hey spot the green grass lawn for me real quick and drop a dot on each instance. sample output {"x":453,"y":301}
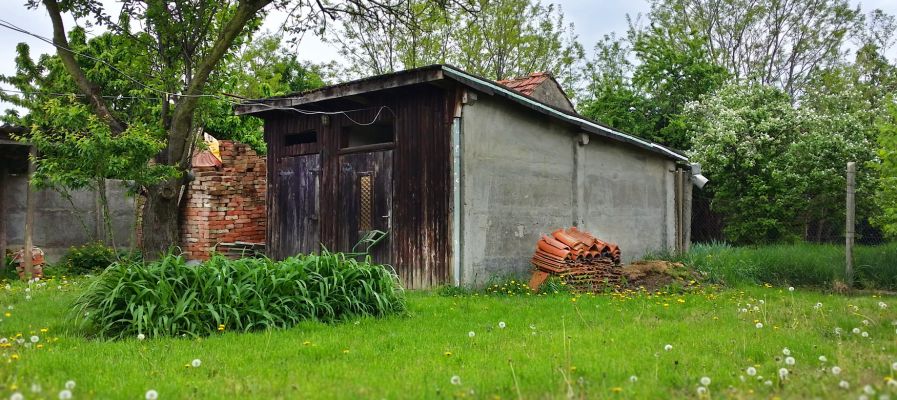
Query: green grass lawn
{"x":604,"y":346}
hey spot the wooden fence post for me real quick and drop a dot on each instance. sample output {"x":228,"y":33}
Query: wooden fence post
{"x":850,"y":226}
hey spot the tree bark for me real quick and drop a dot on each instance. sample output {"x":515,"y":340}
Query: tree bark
{"x":161,"y":217}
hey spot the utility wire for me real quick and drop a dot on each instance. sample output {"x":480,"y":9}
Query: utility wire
{"x":6,"y":24}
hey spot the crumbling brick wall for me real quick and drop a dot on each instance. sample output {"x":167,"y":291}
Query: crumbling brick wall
{"x":225,"y":204}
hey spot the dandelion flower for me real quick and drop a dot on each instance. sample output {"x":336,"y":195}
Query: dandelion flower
{"x":702,"y":391}
{"x":196,"y":363}
{"x":789,"y":361}
{"x":762,"y":302}
{"x":882,"y":305}
{"x":16,"y":396}
{"x":633,"y":379}
{"x":868,"y":389}
{"x":838,"y":331}
{"x":768,"y":383}
{"x":501,"y":324}
{"x":836,"y":370}
{"x":151,"y":395}
{"x":865,"y":334}
{"x":35,"y":388}
{"x":141,"y":336}
{"x":818,"y":306}
{"x":751,"y":371}
{"x":28,"y":297}
{"x":823,"y":359}
{"x":866,"y":322}
{"x":790,"y":288}
{"x":759,"y":325}
{"x":668,"y":347}
{"x":856,"y":331}
{"x":65,"y":394}
{"x":786,"y":351}
{"x":783,"y":373}
{"x":456,"y":380}
{"x":35,"y":339}
{"x":70,"y":385}
{"x":844,"y":385}
{"x":471,"y":334}
{"x":705,"y":381}
{"x":447,"y":354}
{"x":894,"y":366}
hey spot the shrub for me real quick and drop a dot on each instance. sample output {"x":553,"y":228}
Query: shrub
{"x":88,"y":258}
{"x":170,"y":298}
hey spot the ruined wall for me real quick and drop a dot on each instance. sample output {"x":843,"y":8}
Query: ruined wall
{"x":225,"y":204}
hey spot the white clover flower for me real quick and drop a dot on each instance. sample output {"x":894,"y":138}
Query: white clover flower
{"x":786,"y":351}
{"x":35,"y":339}
{"x":836,"y":370}
{"x":702,"y":391}
{"x":783,"y":373}
{"x":790,"y":288}
{"x":865,"y":334}
{"x":196,"y":363}
{"x":65,"y":394}
{"x":633,"y":379}
{"x":751,"y":371}
{"x":501,"y":324}
{"x":151,"y":395}
{"x":856,"y":331}
{"x":844,"y":385}
{"x":141,"y":336}
{"x":759,"y":325}
{"x":868,"y":389}
{"x":823,"y":359}
{"x":668,"y":347}
{"x":705,"y":381}
{"x":456,"y":380}
{"x":789,"y":360}
{"x":16,"y":396}
{"x":70,"y":385}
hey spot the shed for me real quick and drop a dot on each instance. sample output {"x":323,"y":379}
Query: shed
{"x":463,"y":172}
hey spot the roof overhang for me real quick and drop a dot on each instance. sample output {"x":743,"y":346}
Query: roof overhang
{"x":439,"y":72}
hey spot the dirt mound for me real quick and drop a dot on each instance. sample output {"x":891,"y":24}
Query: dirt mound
{"x":656,"y":274}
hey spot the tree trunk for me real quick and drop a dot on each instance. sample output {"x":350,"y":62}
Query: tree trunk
{"x":161,"y":214}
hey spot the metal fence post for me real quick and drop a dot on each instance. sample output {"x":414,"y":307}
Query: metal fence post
{"x":850,"y":226}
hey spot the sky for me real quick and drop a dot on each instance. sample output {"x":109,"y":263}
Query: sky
{"x":592,"y":20}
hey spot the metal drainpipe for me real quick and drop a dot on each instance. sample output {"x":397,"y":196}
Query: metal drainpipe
{"x":456,"y":198}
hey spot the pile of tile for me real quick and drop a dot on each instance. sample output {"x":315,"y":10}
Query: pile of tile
{"x":583,"y":261}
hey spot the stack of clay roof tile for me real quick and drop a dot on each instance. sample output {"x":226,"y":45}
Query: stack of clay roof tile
{"x":579,"y":258}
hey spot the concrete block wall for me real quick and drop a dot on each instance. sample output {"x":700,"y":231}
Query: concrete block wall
{"x":58,"y":226}
{"x":225,"y":204}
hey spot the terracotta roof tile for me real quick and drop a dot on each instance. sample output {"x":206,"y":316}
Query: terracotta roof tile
{"x":526,"y":84}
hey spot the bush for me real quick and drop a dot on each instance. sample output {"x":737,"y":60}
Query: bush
{"x":88,"y":258}
{"x":170,"y":298}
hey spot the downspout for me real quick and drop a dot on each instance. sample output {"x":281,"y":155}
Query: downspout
{"x":456,"y":199}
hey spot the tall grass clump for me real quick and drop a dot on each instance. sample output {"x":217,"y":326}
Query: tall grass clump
{"x":801,"y":264}
{"x":170,"y":298}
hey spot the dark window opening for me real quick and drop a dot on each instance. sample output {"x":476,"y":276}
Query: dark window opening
{"x":300,"y":138}
{"x":366,"y":135}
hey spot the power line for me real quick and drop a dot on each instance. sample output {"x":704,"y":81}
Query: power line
{"x":76,"y":95}
{"x":6,"y":24}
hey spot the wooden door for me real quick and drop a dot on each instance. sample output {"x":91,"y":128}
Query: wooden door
{"x":365,"y":200}
{"x":296,"y":202}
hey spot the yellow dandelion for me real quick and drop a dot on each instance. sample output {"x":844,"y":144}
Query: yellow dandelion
{"x":447,"y":354}
{"x":616,"y":389}
{"x":306,"y":343}
{"x":345,"y":351}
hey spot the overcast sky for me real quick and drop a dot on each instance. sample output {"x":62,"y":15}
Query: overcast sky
{"x":592,"y":19}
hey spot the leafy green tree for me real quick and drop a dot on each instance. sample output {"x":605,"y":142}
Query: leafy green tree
{"x":886,"y":193}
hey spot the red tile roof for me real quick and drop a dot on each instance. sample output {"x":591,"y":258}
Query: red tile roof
{"x":526,"y":84}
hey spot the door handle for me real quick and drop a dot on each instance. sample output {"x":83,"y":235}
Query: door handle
{"x":388,"y":217}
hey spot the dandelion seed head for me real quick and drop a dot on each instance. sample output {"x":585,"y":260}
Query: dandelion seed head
{"x":151,"y":395}
{"x":141,"y":336}
{"x":790,"y":361}
{"x":882,"y":305}
{"x":786,"y":351}
{"x":823,"y":359}
{"x":783,"y":373}
{"x":501,"y":324}
{"x":751,"y":371}
{"x":818,"y":306}
{"x":633,"y":379}
{"x":668,"y":347}
{"x":705,"y":381}
{"x":65,"y":394}
{"x":856,"y":331}
{"x":196,"y":363}
{"x":836,"y":370}
{"x":70,"y":385}
{"x":16,"y":396}
{"x":866,"y":322}
{"x":865,"y":334}
{"x":790,"y":288}
{"x":35,"y":339}
{"x":894,"y":366}
{"x":471,"y":334}
{"x":768,"y":383}
{"x":844,"y":385}
{"x":868,"y":389}
{"x":702,"y":390}
{"x":456,"y":380}
{"x":759,"y":325}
